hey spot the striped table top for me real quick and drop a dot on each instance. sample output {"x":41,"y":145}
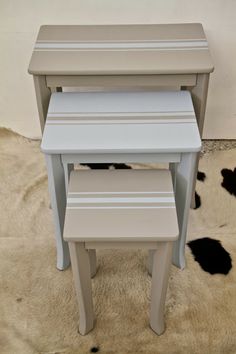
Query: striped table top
{"x":121,"y":205}
{"x":121,"y":49}
{"x":121,"y":122}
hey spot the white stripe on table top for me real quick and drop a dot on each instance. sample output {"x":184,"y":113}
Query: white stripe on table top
{"x":120,"y":200}
{"x":120,"y":115}
{"x":74,"y":194}
{"x":124,"y":50}
{"x":172,"y":206}
{"x":122,"y":45}
{"x":113,"y":122}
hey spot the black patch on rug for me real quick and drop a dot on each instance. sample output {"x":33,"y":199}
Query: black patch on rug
{"x":121,"y":166}
{"x":106,"y":166}
{"x":94,"y":350}
{"x":201,"y":176}
{"x":97,"y":166}
{"x":211,"y":256}
{"x":229,"y":180}
{"x":197,"y":201}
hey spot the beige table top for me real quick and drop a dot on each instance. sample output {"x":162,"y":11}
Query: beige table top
{"x":121,"y":206}
{"x":121,"y":50}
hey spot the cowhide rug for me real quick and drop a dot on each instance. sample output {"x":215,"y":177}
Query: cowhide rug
{"x":38,"y":309}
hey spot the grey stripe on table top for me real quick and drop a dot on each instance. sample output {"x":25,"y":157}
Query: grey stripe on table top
{"x":122,"y":45}
{"x":120,"y":118}
{"x":134,"y":194}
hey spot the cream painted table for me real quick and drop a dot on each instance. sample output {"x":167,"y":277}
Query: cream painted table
{"x":121,"y":57}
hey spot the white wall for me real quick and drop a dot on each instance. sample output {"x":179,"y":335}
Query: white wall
{"x":20,"y":21}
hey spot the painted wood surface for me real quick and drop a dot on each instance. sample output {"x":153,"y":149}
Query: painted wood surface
{"x":130,"y":122}
{"x":121,"y":49}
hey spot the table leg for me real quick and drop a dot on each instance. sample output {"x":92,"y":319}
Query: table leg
{"x":68,"y":168}
{"x":81,"y":274}
{"x":43,"y":94}
{"x":183,"y":184}
{"x":150,"y":261}
{"x":199,"y":97}
{"x":93,"y":262}
{"x":160,"y":276}
{"x":56,"y":186}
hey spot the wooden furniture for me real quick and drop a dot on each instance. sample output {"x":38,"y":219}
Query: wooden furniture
{"x":124,"y":127}
{"x":120,"y":209}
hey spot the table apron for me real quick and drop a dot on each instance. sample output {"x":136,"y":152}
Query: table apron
{"x":123,"y":158}
{"x":118,"y":81}
{"x":149,"y":245}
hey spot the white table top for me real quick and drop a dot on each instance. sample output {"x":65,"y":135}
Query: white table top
{"x":121,"y":122}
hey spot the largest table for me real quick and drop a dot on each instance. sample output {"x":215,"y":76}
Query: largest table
{"x":122,"y":57}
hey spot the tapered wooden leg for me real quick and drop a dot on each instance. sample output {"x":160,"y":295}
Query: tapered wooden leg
{"x":183,"y":184}
{"x":57,"y":192}
{"x":160,"y":275}
{"x":173,"y":170}
{"x":199,"y":97}
{"x":43,"y":94}
{"x":93,"y":262}
{"x":150,"y":261}
{"x":81,"y":273}
{"x":193,"y":201}
{"x":68,"y":167}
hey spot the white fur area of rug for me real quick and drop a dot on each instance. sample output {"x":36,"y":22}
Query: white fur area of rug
{"x":38,"y":308}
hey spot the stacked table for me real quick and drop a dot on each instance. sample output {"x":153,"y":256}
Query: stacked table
{"x":120,"y":57}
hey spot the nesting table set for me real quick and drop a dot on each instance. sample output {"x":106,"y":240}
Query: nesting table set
{"x":142,"y":98}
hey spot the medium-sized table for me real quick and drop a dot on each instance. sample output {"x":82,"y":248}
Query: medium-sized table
{"x":130,"y":127}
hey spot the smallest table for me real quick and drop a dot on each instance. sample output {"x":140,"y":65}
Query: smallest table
{"x":121,"y":209}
